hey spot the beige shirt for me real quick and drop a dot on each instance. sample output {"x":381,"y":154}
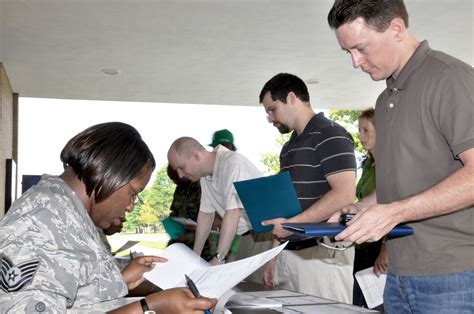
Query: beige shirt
{"x":218,"y":191}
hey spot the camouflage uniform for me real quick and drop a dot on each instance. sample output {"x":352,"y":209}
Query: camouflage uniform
{"x":52,"y":257}
{"x":186,"y":201}
{"x":103,"y":238}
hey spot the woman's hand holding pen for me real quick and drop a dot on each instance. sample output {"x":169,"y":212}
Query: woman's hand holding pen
{"x":133,"y":273}
{"x":179,"y":300}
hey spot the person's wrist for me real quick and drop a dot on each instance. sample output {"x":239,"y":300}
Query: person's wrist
{"x":358,"y":206}
{"x":144,"y":305}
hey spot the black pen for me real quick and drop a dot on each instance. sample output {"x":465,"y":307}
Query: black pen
{"x":194,"y":290}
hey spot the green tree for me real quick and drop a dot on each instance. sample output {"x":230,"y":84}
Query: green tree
{"x":348,"y":119}
{"x":160,"y":195}
{"x":156,"y":203}
{"x":148,"y":216}
{"x":272,"y":160}
{"x":132,"y":224}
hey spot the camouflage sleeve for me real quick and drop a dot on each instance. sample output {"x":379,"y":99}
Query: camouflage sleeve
{"x":32,"y":301}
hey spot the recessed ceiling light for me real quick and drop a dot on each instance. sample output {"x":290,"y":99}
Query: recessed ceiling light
{"x":110,"y":71}
{"x":312,"y":81}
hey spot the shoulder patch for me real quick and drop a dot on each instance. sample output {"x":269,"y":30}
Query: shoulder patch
{"x":15,"y":277}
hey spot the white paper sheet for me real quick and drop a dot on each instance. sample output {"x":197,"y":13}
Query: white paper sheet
{"x":211,"y":281}
{"x":372,"y":286}
{"x":181,"y":260}
{"x":242,"y":301}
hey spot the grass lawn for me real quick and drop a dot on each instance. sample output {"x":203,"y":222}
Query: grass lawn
{"x":150,"y":240}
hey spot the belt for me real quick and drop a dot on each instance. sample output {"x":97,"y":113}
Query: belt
{"x":300,"y":245}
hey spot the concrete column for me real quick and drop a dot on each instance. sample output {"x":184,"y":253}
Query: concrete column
{"x":7,"y":118}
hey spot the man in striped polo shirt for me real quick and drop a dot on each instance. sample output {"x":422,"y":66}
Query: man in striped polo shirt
{"x":320,"y":159}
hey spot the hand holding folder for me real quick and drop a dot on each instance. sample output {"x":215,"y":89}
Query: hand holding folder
{"x":326,"y":229}
{"x":268,"y":198}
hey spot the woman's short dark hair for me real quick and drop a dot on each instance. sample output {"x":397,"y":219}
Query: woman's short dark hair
{"x":376,"y":13}
{"x":281,"y":84}
{"x":107,"y":156}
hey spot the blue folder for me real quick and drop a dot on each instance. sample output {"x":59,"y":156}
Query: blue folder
{"x":326,"y":229}
{"x":267,"y":198}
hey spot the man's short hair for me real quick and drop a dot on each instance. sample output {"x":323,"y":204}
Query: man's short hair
{"x":107,"y":156}
{"x":185,"y":145}
{"x":281,"y":84}
{"x":376,"y":13}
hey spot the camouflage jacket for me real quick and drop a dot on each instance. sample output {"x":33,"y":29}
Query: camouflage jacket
{"x":186,"y":200}
{"x":52,"y":257}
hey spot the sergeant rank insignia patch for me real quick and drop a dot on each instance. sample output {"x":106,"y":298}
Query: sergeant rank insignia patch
{"x":14,"y":277}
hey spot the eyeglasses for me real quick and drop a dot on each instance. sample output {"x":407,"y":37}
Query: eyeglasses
{"x":271,"y":110}
{"x":136,"y":199}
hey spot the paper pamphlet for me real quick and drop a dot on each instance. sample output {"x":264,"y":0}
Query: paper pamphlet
{"x":211,"y":281}
{"x":372,"y":286}
{"x":239,"y":300}
{"x":242,"y":300}
{"x":267,"y":198}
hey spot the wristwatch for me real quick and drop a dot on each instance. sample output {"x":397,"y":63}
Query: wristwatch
{"x":220,"y":256}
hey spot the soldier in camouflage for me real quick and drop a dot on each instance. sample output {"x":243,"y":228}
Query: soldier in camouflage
{"x":52,"y":257}
{"x":185,"y":204}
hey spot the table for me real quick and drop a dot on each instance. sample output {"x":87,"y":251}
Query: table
{"x":294,"y":302}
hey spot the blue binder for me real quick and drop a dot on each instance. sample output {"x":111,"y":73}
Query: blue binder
{"x":267,"y":198}
{"x":325,"y":229}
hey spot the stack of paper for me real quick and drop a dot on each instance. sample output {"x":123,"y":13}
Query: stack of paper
{"x":211,"y":281}
{"x":244,"y":300}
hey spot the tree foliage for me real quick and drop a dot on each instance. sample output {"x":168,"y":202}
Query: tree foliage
{"x":160,"y":195}
{"x":272,"y":160}
{"x":349,"y":120}
{"x":156,"y":204}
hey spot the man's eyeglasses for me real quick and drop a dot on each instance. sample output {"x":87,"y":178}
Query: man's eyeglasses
{"x":271,"y":110}
{"x":136,"y":199}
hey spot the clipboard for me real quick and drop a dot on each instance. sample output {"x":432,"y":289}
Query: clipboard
{"x":267,"y":198}
{"x":326,"y":229}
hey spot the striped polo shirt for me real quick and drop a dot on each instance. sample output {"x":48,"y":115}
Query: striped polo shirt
{"x":324,"y":148}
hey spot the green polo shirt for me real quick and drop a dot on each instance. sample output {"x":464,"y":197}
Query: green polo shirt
{"x":366,"y":183}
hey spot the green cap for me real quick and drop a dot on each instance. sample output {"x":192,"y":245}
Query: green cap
{"x":222,"y":137}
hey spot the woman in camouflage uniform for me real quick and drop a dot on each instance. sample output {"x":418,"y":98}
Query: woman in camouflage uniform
{"x":52,"y":257}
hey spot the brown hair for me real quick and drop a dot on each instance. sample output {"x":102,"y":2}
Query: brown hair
{"x":369,"y":114}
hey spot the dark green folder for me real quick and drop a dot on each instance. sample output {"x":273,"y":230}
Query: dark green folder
{"x":267,"y":198}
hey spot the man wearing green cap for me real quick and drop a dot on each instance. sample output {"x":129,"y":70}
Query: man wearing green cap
{"x":225,"y":138}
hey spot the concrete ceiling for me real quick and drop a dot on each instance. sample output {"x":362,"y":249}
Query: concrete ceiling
{"x":199,"y":51}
